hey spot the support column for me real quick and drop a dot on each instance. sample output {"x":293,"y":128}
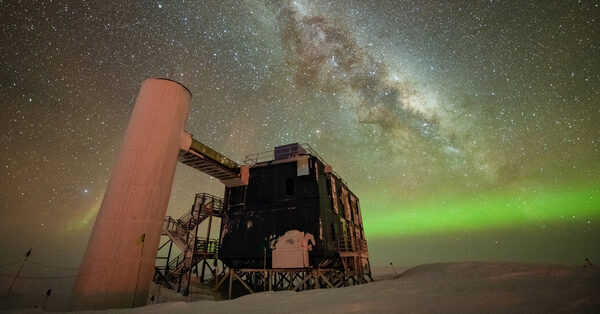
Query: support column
{"x":231,"y":273}
{"x":117,"y":267}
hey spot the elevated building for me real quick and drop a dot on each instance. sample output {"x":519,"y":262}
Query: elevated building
{"x":295,"y":212}
{"x":288,"y":220}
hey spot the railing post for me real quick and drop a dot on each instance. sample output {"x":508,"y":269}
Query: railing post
{"x":168,"y":257}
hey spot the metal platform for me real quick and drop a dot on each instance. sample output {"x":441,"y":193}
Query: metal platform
{"x":207,"y":160}
{"x":294,"y":279}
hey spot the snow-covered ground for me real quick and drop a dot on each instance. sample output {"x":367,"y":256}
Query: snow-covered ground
{"x":475,"y":287}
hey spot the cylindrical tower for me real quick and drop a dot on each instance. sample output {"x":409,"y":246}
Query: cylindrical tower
{"x":118,"y":265}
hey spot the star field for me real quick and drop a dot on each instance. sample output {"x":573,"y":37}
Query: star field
{"x":469,"y":130}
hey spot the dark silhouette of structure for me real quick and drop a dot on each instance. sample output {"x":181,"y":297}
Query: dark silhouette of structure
{"x":288,"y":220}
{"x":291,"y":224}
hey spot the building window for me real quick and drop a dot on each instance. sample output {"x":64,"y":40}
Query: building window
{"x":332,"y":233}
{"x":289,"y":187}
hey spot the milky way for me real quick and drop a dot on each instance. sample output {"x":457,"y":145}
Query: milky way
{"x":468,"y":130}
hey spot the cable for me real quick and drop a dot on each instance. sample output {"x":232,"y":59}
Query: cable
{"x":38,"y":278}
{"x":52,"y":266}
{"x":9,"y":264}
{"x":51,"y":277}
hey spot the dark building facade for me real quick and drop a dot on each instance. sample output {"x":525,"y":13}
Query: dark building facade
{"x":295,"y":212}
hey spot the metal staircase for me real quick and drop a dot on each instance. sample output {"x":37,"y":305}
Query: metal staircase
{"x":183,"y":233}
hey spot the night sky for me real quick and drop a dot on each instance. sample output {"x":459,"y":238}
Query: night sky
{"x":469,"y":130}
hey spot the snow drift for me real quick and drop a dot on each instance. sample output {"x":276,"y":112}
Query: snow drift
{"x":475,"y":287}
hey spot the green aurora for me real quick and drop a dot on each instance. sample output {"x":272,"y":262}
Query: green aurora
{"x":385,"y":217}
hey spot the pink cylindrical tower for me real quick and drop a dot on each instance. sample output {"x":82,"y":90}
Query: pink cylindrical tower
{"x":118,"y":265}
